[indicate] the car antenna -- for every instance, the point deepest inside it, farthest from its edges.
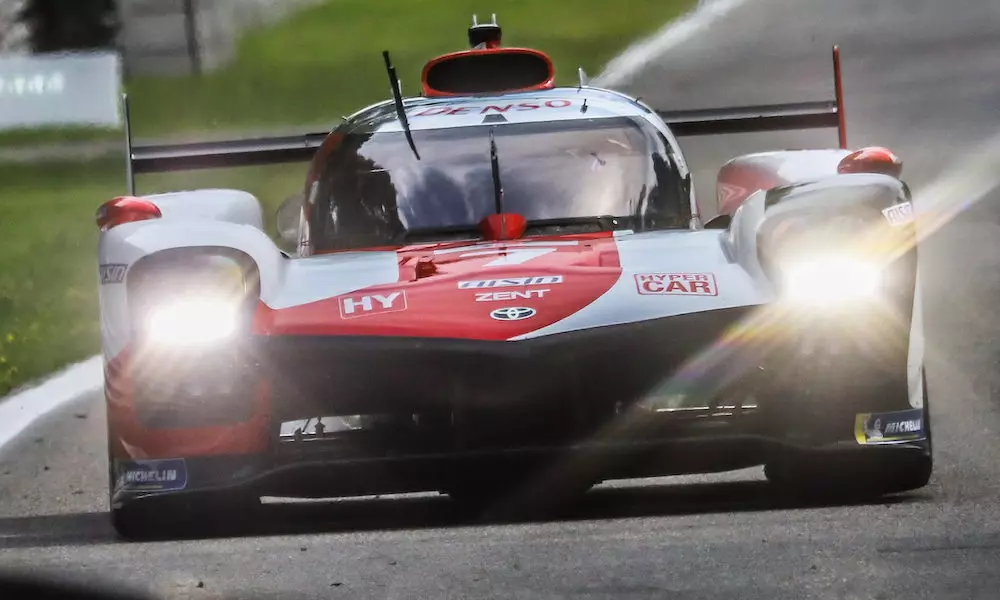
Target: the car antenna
(397, 98)
(495, 167)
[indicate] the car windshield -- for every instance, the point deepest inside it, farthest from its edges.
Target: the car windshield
(373, 191)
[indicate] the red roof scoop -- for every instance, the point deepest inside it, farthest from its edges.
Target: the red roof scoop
(487, 68)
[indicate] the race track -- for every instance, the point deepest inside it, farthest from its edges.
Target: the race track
(923, 77)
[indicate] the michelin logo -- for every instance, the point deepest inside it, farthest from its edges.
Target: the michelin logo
(152, 475)
(888, 428)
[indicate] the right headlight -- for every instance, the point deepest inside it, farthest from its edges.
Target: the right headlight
(830, 280)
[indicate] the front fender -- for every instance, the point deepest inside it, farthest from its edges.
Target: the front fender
(807, 206)
(120, 248)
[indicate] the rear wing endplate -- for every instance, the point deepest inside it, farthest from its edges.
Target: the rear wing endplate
(158, 158)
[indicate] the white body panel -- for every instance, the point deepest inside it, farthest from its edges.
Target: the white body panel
(666, 252)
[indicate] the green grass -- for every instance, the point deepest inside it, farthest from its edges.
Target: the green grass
(311, 69)
(57, 135)
(48, 301)
(325, 62)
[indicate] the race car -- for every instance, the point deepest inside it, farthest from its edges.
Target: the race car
(505, 291)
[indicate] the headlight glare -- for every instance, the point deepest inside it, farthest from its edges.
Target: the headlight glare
(192, 322)
(831, 280)
(192, 298)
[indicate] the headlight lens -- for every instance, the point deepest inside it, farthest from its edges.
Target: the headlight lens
(191, 300)
(831, 280)
(192, 322)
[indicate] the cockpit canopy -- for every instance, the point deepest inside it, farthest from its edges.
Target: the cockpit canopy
(562, 176)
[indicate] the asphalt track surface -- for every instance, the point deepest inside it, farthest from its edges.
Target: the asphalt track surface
(922, 76)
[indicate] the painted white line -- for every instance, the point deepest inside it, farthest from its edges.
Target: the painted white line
(634, 59)
(19, 411)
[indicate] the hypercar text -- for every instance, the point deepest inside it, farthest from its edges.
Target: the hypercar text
(682, 284)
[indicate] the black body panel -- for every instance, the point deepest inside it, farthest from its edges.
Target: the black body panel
(571, 373)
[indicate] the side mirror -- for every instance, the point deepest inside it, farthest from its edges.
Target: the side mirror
(287, 220)
(719, 222)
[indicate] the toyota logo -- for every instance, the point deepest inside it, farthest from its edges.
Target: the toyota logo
(513, 313)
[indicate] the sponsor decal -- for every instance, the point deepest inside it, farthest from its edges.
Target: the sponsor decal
(112, 273)
(676, 284)
(511, 295)
(510, 282)
(899, 215)
(494, 109)
(152, 475)
(513, 313)
(372, 304)
(888, 428)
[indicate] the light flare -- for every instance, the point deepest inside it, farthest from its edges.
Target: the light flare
(192, 322)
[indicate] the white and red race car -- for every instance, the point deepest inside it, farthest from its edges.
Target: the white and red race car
(503, 289)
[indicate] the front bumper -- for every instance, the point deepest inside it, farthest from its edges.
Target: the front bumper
(317, 473)
(673, 396)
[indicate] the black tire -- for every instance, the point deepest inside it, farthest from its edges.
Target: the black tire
(195, 515)
(863, 472)
(514, 497)
(868, 474)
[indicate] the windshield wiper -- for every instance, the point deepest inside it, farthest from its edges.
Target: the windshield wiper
(397, 98)
(495, 167)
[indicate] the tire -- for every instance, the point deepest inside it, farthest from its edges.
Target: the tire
(184, 516)
(865, 475)
(862, 472)
(513, 497)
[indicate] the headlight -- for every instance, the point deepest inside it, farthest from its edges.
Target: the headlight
(192, 322)
(184, 299)
(831, 280)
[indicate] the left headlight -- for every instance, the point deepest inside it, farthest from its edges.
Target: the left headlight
(191, 300)
(831, 280)
(195, 321)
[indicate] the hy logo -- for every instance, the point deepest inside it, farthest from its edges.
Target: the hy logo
(513, 313)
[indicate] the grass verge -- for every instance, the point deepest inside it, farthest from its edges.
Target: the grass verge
(311, 68)
(325, 61)
(48, 293)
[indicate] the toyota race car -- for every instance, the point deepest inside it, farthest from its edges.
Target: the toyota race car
(504, 291)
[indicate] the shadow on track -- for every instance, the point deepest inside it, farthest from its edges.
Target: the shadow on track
(388, 513)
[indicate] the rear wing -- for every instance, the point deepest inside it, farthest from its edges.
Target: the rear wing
(773, 117)
(156, 158)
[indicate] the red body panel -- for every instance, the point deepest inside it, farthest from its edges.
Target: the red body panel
(434, 297)
(129, 439)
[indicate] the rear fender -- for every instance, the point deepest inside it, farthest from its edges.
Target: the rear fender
(741, 177)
